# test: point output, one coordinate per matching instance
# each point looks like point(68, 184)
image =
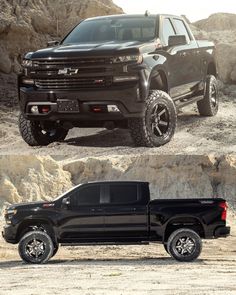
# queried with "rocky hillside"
point(31, 178)
point(27, 25)
point(221, 28)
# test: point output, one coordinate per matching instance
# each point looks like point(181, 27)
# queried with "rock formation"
point(221, 28)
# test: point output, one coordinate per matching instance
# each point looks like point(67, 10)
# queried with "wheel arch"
point(158, 79)
point(34, 224)
point(178, 222)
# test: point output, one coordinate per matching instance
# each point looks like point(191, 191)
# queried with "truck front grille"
point(72, 73)
point(61, 63)
point(73, 83)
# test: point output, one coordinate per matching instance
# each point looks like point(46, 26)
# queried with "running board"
point(104, 244)
point(183, 104)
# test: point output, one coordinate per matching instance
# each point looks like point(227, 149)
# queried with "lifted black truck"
point(123, 71)
point(104, 213)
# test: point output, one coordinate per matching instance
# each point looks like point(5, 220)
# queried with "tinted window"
point(113, 29)
point(88, 195)
point(168, 30)
point(181, 28)
point(123, 194)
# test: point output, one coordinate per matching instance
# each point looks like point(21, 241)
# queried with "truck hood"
point(29, 205)
point(94, 49)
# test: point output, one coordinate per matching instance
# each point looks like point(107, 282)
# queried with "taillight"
point(224, 206)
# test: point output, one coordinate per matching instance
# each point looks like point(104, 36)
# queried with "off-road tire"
point(209, 105)
point(144, 131)
point(176, 243)
point(31, 132)
point(30, 239)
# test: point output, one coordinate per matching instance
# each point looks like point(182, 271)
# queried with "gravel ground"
point(119, 270)
point(194, 135)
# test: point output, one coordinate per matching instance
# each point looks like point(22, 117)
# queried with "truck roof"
point(115, 181)
point(133, 15)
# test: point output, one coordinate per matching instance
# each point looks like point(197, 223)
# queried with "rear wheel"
point(184, 245)
point(158, 124)
point(36, 133)
point(36, 247)
point(209, 105)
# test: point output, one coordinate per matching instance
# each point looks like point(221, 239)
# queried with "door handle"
point(183, 54)
point(97, 210)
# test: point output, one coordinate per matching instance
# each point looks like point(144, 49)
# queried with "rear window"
point(123, 194)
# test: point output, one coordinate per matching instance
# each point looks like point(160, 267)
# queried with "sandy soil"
point(194, 135)
point(122, 270)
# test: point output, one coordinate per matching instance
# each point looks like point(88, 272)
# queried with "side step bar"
point(188, 101)
point(104, 244)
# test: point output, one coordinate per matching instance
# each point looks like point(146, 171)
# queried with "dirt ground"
point(194, 135)
point(119, 270)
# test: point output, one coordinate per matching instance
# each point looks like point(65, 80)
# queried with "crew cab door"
point(126, 214)
point(183, 61)
point(84, 217)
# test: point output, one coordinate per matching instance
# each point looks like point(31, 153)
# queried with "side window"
point(181, 28)
point(168, 30)
point(123, 193)
point(88, 195)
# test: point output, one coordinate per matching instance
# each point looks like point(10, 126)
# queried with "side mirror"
point(66, 202)
point(52, 43)
point(177, 40)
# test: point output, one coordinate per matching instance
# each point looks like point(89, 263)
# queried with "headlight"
point(10, 212)
point(27, 63)
point(127, 58)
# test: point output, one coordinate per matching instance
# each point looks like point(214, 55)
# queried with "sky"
point(194, 10)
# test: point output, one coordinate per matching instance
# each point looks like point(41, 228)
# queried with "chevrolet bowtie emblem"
point(68, 71)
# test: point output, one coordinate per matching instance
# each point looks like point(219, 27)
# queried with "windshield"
point(121, 29)
point(65, 194)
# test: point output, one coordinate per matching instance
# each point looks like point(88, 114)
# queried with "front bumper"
point(9, 234)
point(129, 100)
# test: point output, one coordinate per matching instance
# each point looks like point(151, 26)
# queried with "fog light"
point(34, 110)
point(113, 108)
point(125, 79)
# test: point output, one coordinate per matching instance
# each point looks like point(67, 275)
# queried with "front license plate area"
point(67, 106)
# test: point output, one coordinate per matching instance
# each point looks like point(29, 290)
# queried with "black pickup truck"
point(123, 71)
point(114, 213)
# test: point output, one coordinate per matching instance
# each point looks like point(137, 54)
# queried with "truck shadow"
point(122, 138)
point(99, 262)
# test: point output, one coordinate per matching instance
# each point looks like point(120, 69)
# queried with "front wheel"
point(36, 133)
point(36, 247)
point(157, 126)
point(184, 245)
